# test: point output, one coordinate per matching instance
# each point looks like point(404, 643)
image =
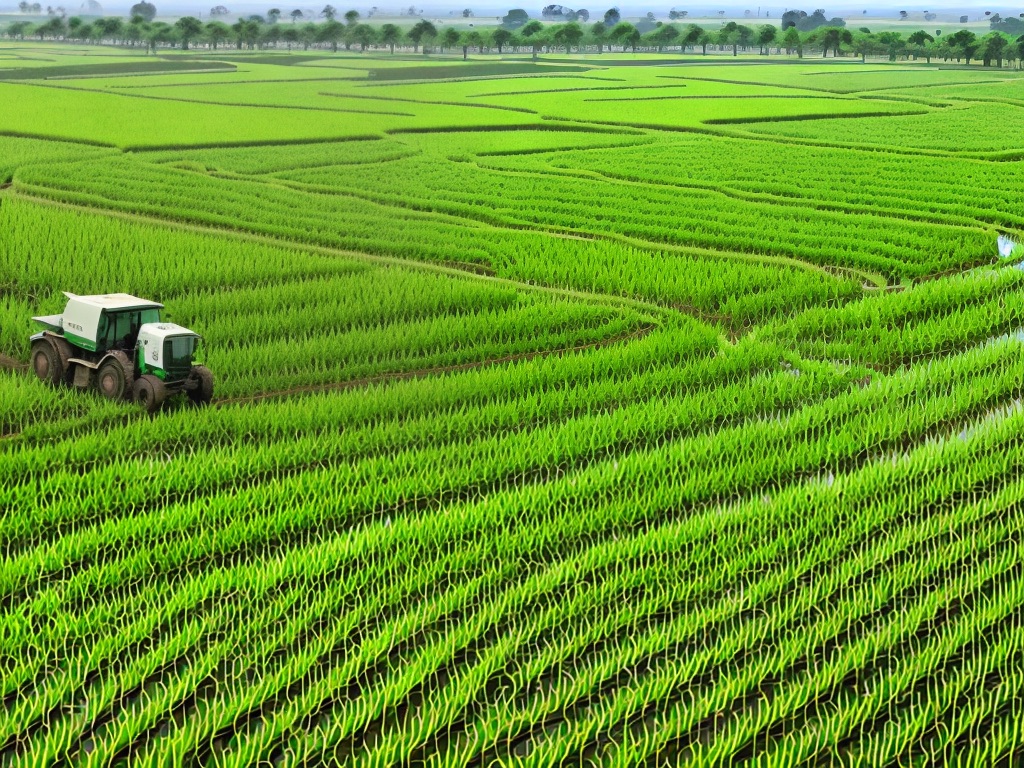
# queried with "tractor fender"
point(114, 353)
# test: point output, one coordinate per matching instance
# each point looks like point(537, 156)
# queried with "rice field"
point(565, 414)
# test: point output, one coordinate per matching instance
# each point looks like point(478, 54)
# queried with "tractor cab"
point(119, 329)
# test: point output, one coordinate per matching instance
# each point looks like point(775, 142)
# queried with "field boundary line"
point(870, 281)
point(24, 192)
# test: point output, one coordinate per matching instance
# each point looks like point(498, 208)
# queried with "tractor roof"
point(114, 301)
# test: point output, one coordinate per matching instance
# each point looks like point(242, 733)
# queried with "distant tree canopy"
point(1009, 25)
point(143, 10)
point(255, 31)
point(515, 18)
point(809, 22)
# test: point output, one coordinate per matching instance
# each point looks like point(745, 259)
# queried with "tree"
point(273, 15)
point(217, 32)
point(473, 40)
point(598, 32)
point(664, 35)
point(135, 30)
point(331, 32)
point(534, 32)
point(502, 37)
point(793, 42)
point(189, 28)
point(54, 28)
point(296, 15)
point(515, 18)
point(422, 31)
point(864, 44)
point(963, 44)
point(583, 15)
point(766, 35)
point(329, 12)
point(390, 35)
point(831, 38)
point(625, 34)
point(290, 35)
point(18, 29)
point(449, 38)
point(790, 18)
point(79, 30)
point(917, 44)
point(467, 13)
point(146, 10)
point(362, 35)
point(612, 17)
point(351, 17)
point(691, 36)
point(993, 46)
point(307, 35)
point(219, 10)
point(270, 34)
point(568, 35)
point(735, 35)
point(158, 33)
point(109, 28)
point(727, 35)
point(893, 42)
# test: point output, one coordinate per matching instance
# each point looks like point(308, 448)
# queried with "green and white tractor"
point(117, 343)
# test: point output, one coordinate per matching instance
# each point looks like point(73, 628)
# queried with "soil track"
point(10, 364)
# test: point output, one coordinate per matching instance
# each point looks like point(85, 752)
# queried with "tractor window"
point(178, 351)
point(120, 330)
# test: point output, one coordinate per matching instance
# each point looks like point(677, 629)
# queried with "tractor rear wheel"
point(202, 393)
point(114, 377)
point(46, 362)
point(149, 392)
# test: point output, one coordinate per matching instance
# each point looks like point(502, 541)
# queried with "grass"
point(631, 415)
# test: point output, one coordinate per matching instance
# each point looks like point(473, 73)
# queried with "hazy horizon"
point(632, 9)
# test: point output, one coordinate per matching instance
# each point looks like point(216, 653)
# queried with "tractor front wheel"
point(46, 362)
point(149, 392)
point(202, 393)
point(113, 379)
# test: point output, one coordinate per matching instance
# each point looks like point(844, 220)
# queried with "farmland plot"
point(602, 415)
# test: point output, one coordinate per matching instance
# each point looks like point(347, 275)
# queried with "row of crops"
point(564, 443)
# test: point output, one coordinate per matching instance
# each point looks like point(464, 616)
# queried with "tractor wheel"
point(203, 393)
point(64, 352)
point(46, 362)
point(149, 392)
point(114, 377)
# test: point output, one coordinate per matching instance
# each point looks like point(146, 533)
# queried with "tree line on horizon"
point(266, 32)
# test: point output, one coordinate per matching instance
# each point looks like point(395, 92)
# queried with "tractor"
point(117, 344)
